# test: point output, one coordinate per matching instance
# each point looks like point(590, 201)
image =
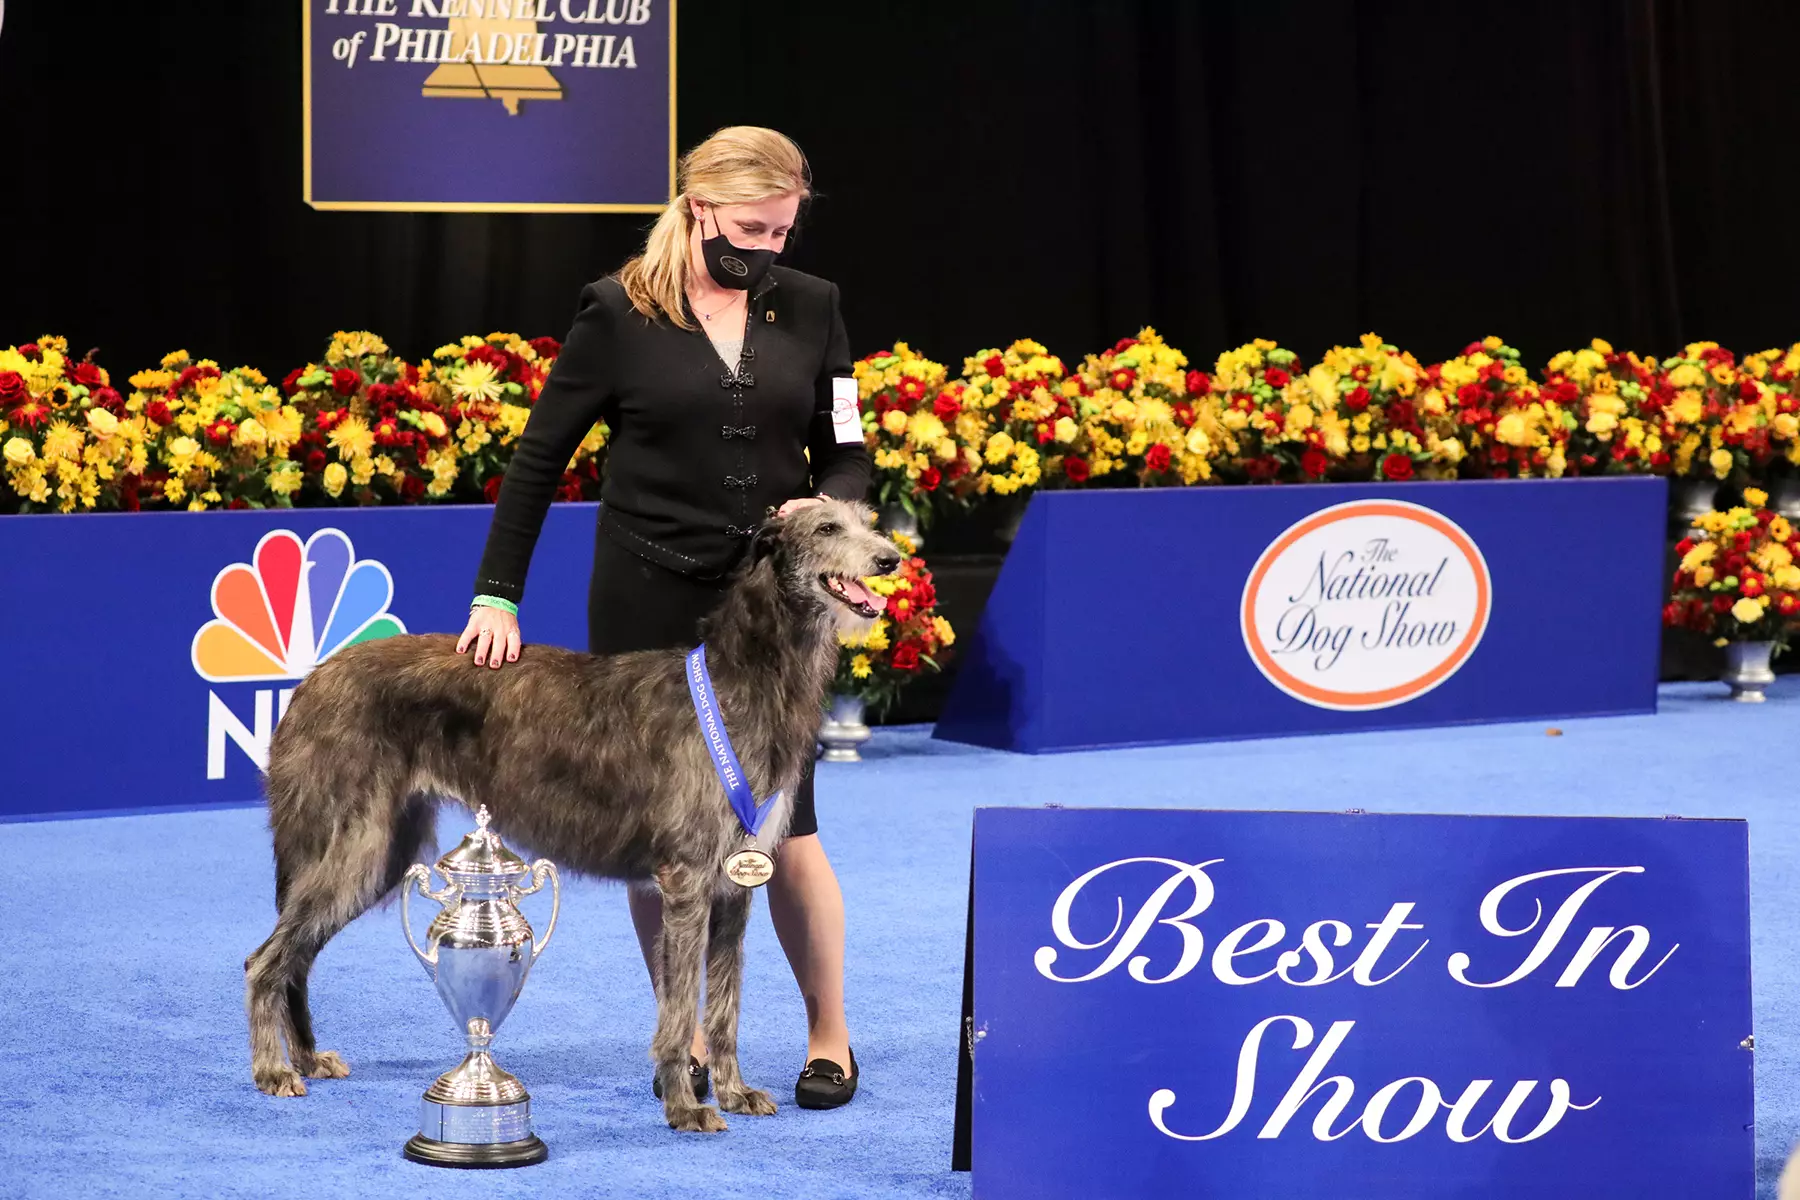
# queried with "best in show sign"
point(490, 105)
point(1309, 1004)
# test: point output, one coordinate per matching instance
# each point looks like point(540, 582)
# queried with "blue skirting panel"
point(152, 653)
point(1141, 617)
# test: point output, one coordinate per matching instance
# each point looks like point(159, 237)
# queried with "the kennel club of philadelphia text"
point(1323, 954)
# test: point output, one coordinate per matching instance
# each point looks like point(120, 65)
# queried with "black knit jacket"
point(697, 453)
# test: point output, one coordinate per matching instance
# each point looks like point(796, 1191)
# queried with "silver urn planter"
point(895, 519)
point(1690, 499)
point(1747, 670)
point(1784, 497)
point(843, 730)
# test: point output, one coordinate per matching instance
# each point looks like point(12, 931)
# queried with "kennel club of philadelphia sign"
point(1356, 1005)
point(489, 105)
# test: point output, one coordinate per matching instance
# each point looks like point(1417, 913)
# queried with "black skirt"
point(635, 604)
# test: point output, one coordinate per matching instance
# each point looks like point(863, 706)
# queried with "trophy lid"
point(481, 853)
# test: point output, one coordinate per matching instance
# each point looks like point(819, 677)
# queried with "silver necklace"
point(715, 312)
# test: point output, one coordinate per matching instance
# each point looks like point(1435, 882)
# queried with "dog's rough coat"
point(595, 762)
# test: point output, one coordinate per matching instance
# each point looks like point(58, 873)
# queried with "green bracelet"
point(495, 602)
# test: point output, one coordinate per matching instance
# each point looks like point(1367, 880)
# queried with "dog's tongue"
point(855, 591)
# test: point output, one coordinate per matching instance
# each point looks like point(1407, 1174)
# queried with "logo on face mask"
point(734, 265)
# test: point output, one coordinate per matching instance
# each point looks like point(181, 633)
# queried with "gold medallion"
point(749, 868)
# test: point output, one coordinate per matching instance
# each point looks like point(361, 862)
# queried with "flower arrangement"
point(1509, 427)
point(212, 438)
point(1761, 429)
point(1143, 416)
point(1614, 398)
point(1738, 581)
point(908, 638)
point(1008, 397)
point(1264, 419)
point(64, 444)
point(1373, 417)
point(1699, 385)
point(910, 418)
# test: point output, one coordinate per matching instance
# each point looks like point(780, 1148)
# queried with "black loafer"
point(697, 1072)
point(823, 1084)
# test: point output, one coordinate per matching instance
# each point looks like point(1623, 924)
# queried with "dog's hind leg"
point(679, 948)
point(724, 987)
point(361, 863)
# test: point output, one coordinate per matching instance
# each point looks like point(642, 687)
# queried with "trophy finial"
point(481, 817)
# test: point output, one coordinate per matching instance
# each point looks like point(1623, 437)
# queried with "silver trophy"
point(478, 951)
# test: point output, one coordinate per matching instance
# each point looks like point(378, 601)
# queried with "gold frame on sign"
point(454, 206)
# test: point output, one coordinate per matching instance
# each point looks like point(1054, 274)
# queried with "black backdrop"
point(1548, 170)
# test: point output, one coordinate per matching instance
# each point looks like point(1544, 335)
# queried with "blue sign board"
point(163, 646)
point(1185, 1003)
point(1193, 614)
point(489, 105)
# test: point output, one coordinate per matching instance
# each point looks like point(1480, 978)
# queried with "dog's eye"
point(831, 527)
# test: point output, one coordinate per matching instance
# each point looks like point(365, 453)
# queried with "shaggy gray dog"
point(595, 762)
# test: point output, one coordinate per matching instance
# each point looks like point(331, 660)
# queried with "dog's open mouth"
point(853, 593)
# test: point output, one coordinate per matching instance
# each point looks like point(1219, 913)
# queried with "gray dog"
point(596, 762)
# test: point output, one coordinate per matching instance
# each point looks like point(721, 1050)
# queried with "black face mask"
point(730, 266)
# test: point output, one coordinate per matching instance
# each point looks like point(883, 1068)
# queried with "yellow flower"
point(251, 434)
point(175, 358)
point(1703, 575)
point(62, 440)
point(476, 379)
point(945, 635)
point(434, 425)
point(894, 421)
point(1787, 578)
point(1780, 530)
point(1720, 461)
point(1747, 611)
point(859, 666)
point(285, 478)
point(1701, 553)
point(334, 479)
point(18, 451)
point(999, 447)
point(877, 638)
point(352, 438)
point(1756, 498)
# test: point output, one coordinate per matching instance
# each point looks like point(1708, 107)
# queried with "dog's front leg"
point(684, 916)
point(724, 985)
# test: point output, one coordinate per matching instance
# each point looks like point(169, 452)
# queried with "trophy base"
point(433, 1153)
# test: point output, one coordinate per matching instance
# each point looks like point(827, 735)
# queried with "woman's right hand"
point(494, 633)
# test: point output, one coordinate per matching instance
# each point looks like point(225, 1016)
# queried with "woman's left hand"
point(797, 503)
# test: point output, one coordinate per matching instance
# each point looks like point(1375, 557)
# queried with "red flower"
point(1157, 457)
point(906, 656)
point(546, 347)
point(995, 367)
point(219, 432)
point(1314, 463)
point(12, 387)
point(1123, 378)
point(291, 384)
point(110, 400)
point(494, 356)
point(238, 503)
point(1275, 377)
point(1076, 468)
point(1197, 383)
point(1683, 546)
point(31, 352)
point(1722, 604)
point(923, 594)
point(1751, 586)
point(1742, 540)
point(1671, 614)
point(1397, 467)
point(1786, 604)
point(128, 493)
point(345, 381)
point(1262, 468)
point(491, 489)
point(315, 461)
point(929, 478)
point(1123, 345)
point(946, 406)
point(29, 413)
point(1357, 399)
point(912, 389)
point(87, 375)
point(412, 487)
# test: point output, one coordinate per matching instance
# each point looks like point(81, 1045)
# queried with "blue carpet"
point(122, 1034)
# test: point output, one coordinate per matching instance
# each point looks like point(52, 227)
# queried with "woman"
point(716, 373)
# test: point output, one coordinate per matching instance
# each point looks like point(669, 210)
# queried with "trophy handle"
point(419, 875)
point(539, 870)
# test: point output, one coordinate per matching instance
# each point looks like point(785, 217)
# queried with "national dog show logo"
point(276, 617)
point(1366, 605)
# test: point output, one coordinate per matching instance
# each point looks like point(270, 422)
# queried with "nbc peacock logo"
point(288, 609)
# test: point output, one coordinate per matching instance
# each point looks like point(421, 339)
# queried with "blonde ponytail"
point(740, 164)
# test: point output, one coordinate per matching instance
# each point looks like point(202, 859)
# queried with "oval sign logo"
point(734, 264)
point(1366, 605)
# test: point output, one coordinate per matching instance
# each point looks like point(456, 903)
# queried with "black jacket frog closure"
point(697, 453)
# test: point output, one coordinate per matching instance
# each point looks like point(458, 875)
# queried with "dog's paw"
point(279, 1081)
point(700, 1119)
point(327, 1064)
point(751, 1102)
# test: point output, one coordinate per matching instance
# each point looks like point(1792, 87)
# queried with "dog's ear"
point(767, 541)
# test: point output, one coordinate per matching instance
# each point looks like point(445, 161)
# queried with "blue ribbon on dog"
point(718, 742)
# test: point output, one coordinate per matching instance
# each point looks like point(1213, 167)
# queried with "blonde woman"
point(716, 371)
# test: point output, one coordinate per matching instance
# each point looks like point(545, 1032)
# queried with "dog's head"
point(824, 551)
